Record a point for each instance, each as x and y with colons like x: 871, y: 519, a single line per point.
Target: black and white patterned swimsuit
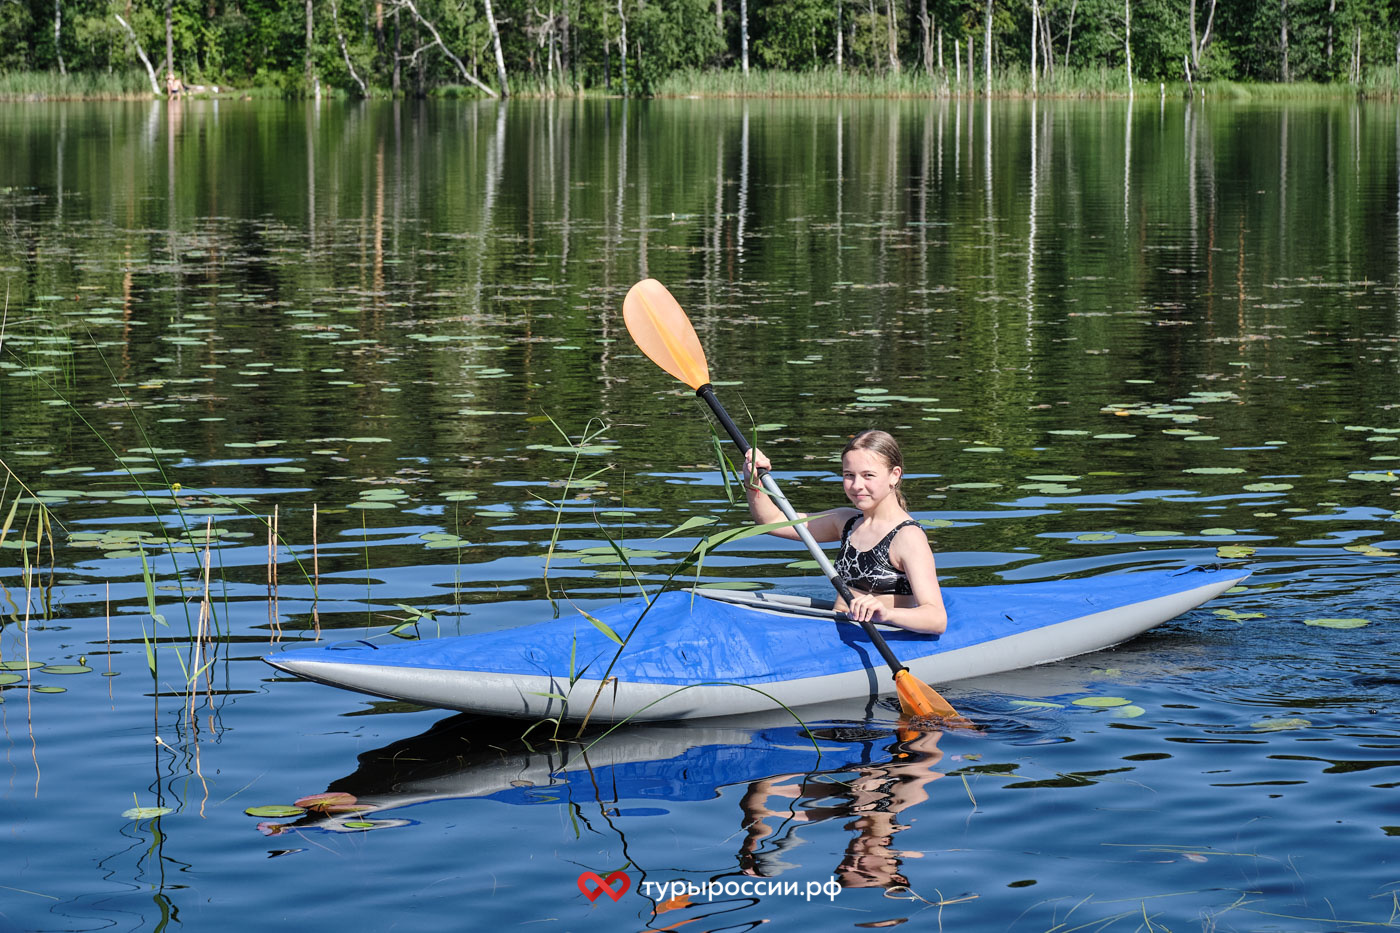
x: 872, y: 570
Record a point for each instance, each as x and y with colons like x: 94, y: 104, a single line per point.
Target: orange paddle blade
x: 662, y: 331
x: 920, y: 701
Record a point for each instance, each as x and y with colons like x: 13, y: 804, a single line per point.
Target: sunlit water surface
x: 1109, y: 337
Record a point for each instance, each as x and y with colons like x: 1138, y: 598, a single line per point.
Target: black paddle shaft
x: 707, y: 393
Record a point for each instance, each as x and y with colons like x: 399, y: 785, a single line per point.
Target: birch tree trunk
x: 496, y: 42
x: 310, y: 45
x: 345, y: 53
x: 743, y: 35
x: 622, y: 47
x: 169, y: 42
x: 1128, y: 42
x: 141, y: 53
x: 58, y: 35
x: 437, y: 40
x: 1283, y: 37
x: 892, y: 32
x: 987, y: 49
x: 927, y: 34
x: 1035, y: 41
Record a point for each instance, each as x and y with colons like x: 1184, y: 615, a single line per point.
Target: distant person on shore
x: 174, y: 87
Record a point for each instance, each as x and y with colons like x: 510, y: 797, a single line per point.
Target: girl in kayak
x: 885, y: 556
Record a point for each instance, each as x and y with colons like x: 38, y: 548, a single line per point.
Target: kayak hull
x: 692, y: 656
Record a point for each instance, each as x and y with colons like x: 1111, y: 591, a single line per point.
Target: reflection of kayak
x: 748, y: 652
x: 649, y: 765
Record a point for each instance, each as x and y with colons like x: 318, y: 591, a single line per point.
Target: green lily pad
x: 1128, y: 712
x: 20, y: 665
x: 1234, y: 550
x: 1066, y: 432
x: 7, y: 678
x: 1267, y: 487
x: 145, y: 813
x: 982, y: 450
x: 1095, y: 536
x: 1374, y: 477
x: 1157, y: 533
x: 50, y: 689
x: 66, y: 669
x: 1337, y: 623
x: 1213, y: 471
x: 1114, y: 437
x: 275, y: 811
x: 1219, y: 531
x: 974, y: 485
x: 804, y: 565
x: 1280, y: 725
x: 1101, y: 702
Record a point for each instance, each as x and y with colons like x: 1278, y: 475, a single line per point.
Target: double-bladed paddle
x: 662, y: 331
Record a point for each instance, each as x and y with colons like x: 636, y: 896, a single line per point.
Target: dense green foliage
x: 573, y: 46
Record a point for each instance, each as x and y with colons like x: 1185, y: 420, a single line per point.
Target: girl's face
x: 867, y: 478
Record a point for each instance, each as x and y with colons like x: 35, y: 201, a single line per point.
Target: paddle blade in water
x: 661, y: 330
x: 920, y: 701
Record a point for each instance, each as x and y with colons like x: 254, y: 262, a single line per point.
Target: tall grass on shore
x: 1008, y: 82
x: 76, y: 85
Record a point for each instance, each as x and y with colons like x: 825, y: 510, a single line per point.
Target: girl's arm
x: 824, y: 526
x: 909, y: 551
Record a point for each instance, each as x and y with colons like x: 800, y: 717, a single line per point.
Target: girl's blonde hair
x: 883, y: 444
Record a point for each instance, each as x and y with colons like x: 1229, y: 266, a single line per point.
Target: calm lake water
x: 1110, y: 337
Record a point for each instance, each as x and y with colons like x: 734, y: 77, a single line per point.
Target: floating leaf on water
x: 459, y: 495
x: 7, y: 678
x: 1201, y: 437
x: 1100, y: 702
x: 1337, y: 623
x: 145, y: 813
x: 1213, y: 471
x: 1157, y: 533
x: 20, y: 665
x: 275, y: 811
x: 1267, y: 487
x: 1053, y: 478
x: 1219, y: 531
x: 1280, y: 725
x: 982, y: 450
x: 65, y: 669
x: 1095, y: 536
x: 1128, y: 712
x: 369, y: 504
x: 369, y: 440
x: 1229, y: 551
x: 974, y: 485
x: 804, y: 565
x: 936, y: 523
x: 1374, y: 477
x: 1066, y: 432
x: 733, y: 585
x: 50, y: 689
x: 1114, y: 437
x: 330, y: 802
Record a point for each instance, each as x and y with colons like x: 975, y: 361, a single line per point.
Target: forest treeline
x: 503, y: 47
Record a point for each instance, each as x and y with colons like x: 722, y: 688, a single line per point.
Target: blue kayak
x: 713, y: 653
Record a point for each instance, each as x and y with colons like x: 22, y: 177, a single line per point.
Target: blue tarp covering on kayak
x: 686, y: 639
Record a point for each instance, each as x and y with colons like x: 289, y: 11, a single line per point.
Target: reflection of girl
x: 875, y: 798
x: 885, y: 556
